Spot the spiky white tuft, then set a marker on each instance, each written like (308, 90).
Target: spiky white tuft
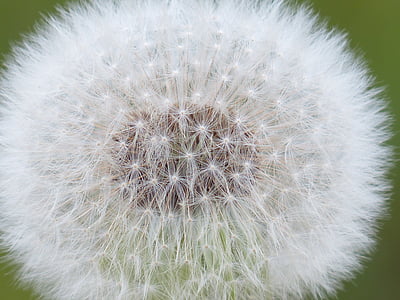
(189, 150)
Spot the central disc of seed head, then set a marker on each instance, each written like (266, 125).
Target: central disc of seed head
(185, 156)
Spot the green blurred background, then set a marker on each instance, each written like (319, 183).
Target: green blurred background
(374, 29)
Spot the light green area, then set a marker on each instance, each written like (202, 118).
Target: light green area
(374, 28)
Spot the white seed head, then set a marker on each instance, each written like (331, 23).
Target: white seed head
(189, 150)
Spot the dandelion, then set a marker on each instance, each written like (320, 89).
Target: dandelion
(189, 150)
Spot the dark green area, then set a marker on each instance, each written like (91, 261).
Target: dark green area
(374, 29)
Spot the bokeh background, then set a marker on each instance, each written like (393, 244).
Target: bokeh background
(374, 30)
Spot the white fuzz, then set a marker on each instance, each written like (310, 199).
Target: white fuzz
(189, 150)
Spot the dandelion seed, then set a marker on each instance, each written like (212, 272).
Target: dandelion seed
(189, 150)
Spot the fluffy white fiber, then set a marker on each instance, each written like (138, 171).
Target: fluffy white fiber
(188, 150)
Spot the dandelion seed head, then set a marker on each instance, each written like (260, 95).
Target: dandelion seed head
(189, 150)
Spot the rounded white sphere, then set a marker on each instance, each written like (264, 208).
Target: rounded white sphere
(189, 150)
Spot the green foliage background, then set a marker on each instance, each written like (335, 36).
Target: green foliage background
(374, 29)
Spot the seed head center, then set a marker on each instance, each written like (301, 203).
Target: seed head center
(183, 157)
